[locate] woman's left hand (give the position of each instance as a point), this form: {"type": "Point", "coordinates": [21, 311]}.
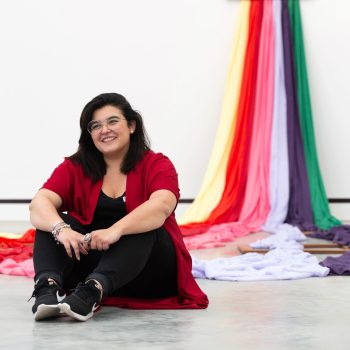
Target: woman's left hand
{"type": "Point", "coordinates": [102, 239]}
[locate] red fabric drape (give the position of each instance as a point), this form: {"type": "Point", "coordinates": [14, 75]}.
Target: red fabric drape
{"type": "Point", "coordinates": [230, 205]}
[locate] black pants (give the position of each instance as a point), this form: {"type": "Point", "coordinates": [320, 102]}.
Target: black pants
{"type": "Point", "coordinates": [140, 265]}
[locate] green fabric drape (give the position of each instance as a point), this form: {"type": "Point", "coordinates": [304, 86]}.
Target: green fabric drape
{"type": "Point", "coordinates": [322, 216]}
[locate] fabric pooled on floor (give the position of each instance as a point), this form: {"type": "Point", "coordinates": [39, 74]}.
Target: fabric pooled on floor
{"type": "Point", "coordinates": [338, 265]}
{"type": "Point", "coordinates": [17, 254]}
{"type": "Point", "coordinates": [284, 236]}
{"type": "Point", "coordinates": [337, 234]}
{"type": "Point", "coordinates": [22, 268]}
{"type": "Point", "coordinates": [15, 247]}
{"type": "Point", "coordinates": [215, 237]}
{"type": "Point", "coordinates": [277, 264]}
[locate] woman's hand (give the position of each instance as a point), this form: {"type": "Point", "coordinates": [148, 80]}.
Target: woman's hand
{"type": "Point", "coordinates": [72, 241]}
{"type": "Point", "coordinates": [102, 239]}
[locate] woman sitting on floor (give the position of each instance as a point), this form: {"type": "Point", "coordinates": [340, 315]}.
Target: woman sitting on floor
{"type": "Point", "coordinates": [106, 225]}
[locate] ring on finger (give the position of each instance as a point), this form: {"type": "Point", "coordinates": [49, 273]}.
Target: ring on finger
{"type": "Point", "coordinates": [87, 238]}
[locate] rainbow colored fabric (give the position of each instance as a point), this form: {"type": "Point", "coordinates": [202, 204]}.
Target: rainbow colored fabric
{"type": "Point", "coordinates": [263, 170]}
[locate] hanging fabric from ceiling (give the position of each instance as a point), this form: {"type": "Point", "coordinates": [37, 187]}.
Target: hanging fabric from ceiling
{"type": "Point", "coordinates": [320, 208]}
{"type": "Point", "coordinates": [215, 180]}
{"type": "Point", "coordinates": [271, 175]}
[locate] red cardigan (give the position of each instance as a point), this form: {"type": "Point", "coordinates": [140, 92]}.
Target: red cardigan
{"type": "Point", "coordinates": [154, 172]}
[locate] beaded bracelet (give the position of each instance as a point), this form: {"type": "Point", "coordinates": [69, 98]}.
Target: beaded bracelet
{"type": "Point", "coordinates": [56, 225]}
{"type": "Point", "coordinates": [57, 229]}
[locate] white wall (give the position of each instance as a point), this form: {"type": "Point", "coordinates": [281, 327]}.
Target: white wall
{"type": "Point", "coordinates": [169, 58]}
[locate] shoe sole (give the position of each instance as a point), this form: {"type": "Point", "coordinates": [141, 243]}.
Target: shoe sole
{"type": "Point", "coordinates": [64, 307]}
{"type": "Point", "coordinates": [47, 311]}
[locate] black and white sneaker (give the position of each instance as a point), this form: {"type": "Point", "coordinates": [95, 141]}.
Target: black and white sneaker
{"type": "Point", "coordinates": [83, 302]}
{"type": "Point", "coordinates": [47, 295]}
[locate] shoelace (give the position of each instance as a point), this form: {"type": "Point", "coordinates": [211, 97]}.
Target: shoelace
{"type": "Point", "coordinates": [45, 284]}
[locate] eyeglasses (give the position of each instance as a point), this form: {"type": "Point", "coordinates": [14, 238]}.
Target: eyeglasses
{"type": "Point", "coordinates": [95, 127]}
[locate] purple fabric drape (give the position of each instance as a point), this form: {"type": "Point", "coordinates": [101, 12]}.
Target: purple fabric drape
{"type": "Point", "coordinates": [299, 209]}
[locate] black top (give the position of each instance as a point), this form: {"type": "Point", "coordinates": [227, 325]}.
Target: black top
{"type": "Point", "coordinates": [108, 211]}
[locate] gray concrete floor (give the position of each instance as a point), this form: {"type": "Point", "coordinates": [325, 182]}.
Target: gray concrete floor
{"type": "Point", "coordinates": [311, 313]}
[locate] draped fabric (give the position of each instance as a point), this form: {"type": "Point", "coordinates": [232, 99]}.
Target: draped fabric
{"type": "Point", "coordinates": [279, 167]}
{"type": "Point", "coordinates": [237, 168]}
{"type": "Point", "coordinates": [299, 210]}
{"type": "Point", "coordinates": [323, 218]}
{"type": "Point", "coordinates": [272, 172]}
{"type": "Point", "coordinates": [214, 179]}
{"type": "Point", "coordinates": [255, 207]}
{"type": "Point", "coordinates": [263, 173]}
{"type": "Point", "coordinates": [256, 203]}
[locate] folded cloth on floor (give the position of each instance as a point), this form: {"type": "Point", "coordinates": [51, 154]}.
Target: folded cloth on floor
{"type": "Point", "coordinates": [338, 265]}
{"type": "Point", "coordinates": [278, 264]}
{"type": "Point", "coordinates": [284, 236]}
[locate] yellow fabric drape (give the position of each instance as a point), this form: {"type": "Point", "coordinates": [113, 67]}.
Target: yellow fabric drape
{"type": "Point", "coordinates": [215, 176]}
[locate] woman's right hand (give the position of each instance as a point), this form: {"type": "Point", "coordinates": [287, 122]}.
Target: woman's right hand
{"type": "Point", "coordinates": [72, 242]}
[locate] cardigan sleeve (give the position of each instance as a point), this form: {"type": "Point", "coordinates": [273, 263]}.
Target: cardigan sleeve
{"type": "Point", "coordinates": [61, 182]}
{"type": "Point", "coordinates": [161, 175]}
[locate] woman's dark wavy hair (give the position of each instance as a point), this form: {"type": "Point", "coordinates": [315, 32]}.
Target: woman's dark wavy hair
{"type": "Point", "coordinates": [90, 157]}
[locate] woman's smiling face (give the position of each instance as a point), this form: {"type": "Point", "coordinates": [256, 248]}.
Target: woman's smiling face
{"type": "Point", "coordinates": [110, 131]}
